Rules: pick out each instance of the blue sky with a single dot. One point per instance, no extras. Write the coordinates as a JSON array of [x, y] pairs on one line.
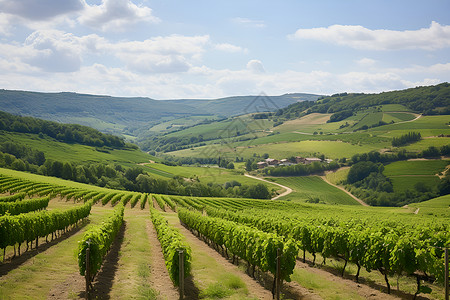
[[209, 49]]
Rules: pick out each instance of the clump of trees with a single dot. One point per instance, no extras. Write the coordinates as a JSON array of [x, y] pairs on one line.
[[301, 169], [410, 137], [339, 116], [366, 181]]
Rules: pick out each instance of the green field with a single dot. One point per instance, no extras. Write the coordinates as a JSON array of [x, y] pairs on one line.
[[416, 167], [313, 187], [172, 125], [205, 174], [339, 176], [331, 149], [51, 180], [439, 203], [403, 183], [394, 108], [56, 150], [224, 129]]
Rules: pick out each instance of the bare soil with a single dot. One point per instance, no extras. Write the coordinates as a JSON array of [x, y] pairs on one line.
[[159, 276]]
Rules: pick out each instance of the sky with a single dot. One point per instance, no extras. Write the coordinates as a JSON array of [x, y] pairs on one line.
[[172, 49]]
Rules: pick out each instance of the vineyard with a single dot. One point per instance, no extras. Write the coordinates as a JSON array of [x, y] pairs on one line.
[[58, 240]]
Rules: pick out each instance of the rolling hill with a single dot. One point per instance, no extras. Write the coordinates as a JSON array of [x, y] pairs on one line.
[[133, 116]]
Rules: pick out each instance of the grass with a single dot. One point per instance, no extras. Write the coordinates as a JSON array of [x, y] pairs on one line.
[[417, 167], [133, 273], [394, 107], [224, 129], [75, 152], [403, 183], [51, 180], [319, 284], [426, 143], [331, 149], [207, 174], [313, 187], [339, 176], [436, 203], [397, 117], [327, 289], [212, 279]]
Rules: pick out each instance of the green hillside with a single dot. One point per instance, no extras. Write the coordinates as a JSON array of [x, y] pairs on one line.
[[313, 189], [134, 116]]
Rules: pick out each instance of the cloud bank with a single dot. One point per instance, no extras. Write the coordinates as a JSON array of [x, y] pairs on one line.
[[435, 37]]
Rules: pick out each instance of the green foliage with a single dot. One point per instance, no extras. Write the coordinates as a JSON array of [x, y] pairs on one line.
[[361, 170], [339, 116], [171, 243], [410, 137], [13, 198], [99, 239], [301, 169], [19, 207], [403, 246], [254, 246], [427, 100], [29, 226], [63, 132]]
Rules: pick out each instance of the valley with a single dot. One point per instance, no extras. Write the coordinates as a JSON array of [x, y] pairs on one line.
[[353, 189]]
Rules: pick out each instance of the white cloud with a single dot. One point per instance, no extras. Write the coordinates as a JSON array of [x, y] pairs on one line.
[[51, 50], [230, 48], [5, 24], [58, 51], [204, 82], [366, 62], [249, 23], [169, 54], [116, 15], [255, 66], [435, 37]]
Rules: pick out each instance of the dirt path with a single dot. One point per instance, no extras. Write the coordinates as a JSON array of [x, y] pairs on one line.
[[416, 118], [362, 290], [254, 289], [344, 190], [159, 278], [287, 192]]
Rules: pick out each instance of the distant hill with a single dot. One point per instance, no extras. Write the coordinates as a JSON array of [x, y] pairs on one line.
[[231, 106], [428, 100], [124, 115]]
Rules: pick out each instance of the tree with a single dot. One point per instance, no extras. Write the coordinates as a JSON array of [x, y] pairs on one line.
[[258, 191], [67, 171], [361, 170], [249, 165], [230, 165]]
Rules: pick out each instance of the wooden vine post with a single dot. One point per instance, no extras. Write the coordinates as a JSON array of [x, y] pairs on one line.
[[446, 275], [181, 273], [87, 273], [278, 275]]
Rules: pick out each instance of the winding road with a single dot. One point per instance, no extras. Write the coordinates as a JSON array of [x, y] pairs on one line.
[[287, 192]]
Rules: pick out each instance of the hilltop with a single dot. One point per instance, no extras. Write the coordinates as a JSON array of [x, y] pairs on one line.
[[134, 116]]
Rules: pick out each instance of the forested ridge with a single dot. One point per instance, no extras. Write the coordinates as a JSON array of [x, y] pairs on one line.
[[429, 100], [69, 133]]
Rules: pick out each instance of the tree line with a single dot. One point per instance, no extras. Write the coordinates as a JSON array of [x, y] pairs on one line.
[[69, 133], [115, 176], [410, 137]]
